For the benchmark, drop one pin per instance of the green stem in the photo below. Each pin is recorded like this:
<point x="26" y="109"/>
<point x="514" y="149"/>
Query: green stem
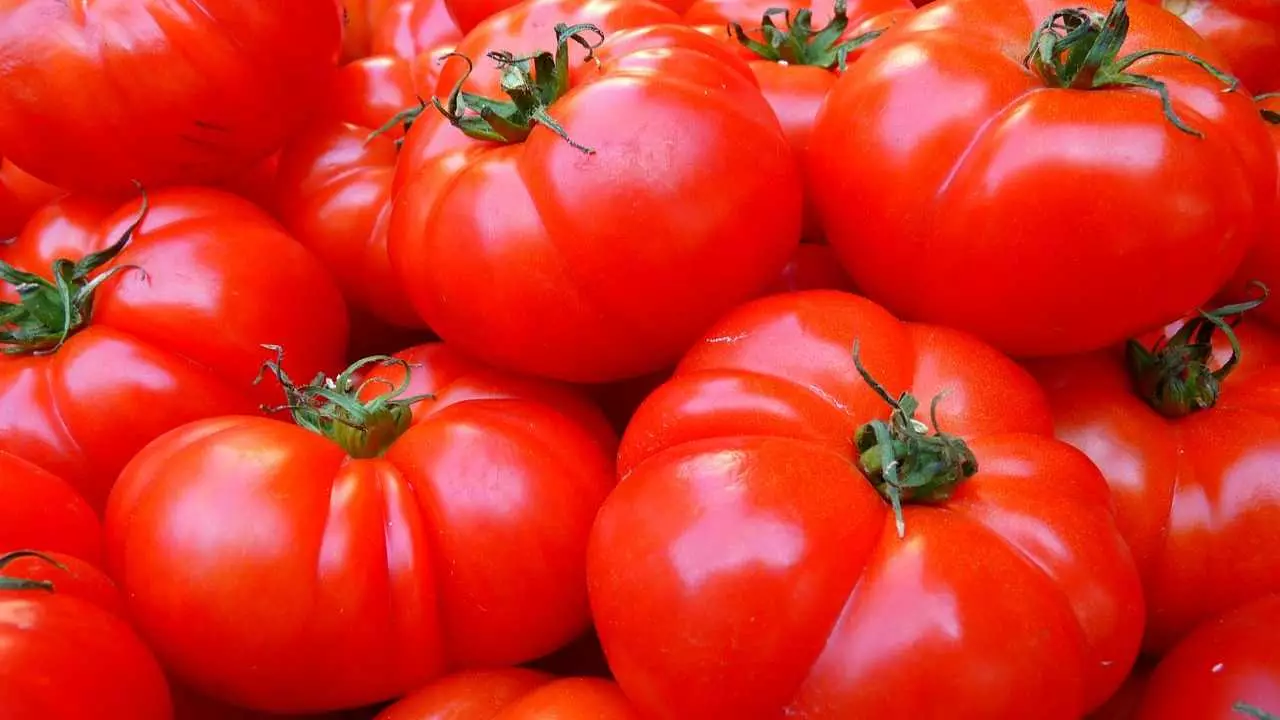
<point x="1175" y="376"/>
<point x="796" y="43"/>
<point x="532" y="84"/>
<point x="23" y="584"/>
<point x="1254" y="712"/>
<point x="902" y="459"/>
<point x="47" y="313"/>
<point x="333" y="407"/>
<point x="1269" y="115"/>
<point x="1080" y="49"/>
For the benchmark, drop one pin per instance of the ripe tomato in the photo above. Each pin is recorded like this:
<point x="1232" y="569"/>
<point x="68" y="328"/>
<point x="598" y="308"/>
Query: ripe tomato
<point x="360" y="22"/>
<point x="412" y="27"/>
<point x="299" y="573"/>
<point x="1042" y="219"/>
<point x="470" y="14"/>
<point x="1226" y="663"/>
<point x="1246" y="32"/>
<point x="20" y="196"/>
<point x="40" y="510"/>
<point x="1263" y="264"/>
<point x="173" y="333"/>
<point x="97" y="95"/>
<point x="513" y="694"/>
<point x="69" y="575"/>
<point x="746" y="567"/>
<point x="814" y="266"/>
<point x="1191" y="457"/>
<point x="64" y="657"/>
<point x="540" y="255"/>
<point x="1124" y="704"/>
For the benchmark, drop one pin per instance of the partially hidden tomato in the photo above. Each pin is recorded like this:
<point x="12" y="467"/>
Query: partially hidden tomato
<point x="62" y="656"/>
<point x="1227" y="669"/>
<point x="157" y="317"/>
<point x="1046" y="202"/>
<point x="360" y="22"/>
<point x="1263" y="263"/>
<point x="41" y="510"/>
<point x="385" y="537"/>
<point x="513" y="694"/>
<point x="412" y="27"/>
<point x="596" y="243"/>
<point x="1246" y="32"/>
<point x="753" y="561"/>
<point x="470" y="14"/>
<point x="21" y="195"/>
<point x="1124" y="704"/>
<point x="95" y="96"/>
<point x="1190" y="444"/>
<point x="813" y="266"/>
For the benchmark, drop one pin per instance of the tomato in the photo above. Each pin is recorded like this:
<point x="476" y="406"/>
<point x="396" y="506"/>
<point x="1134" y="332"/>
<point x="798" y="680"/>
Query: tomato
<point x="540" y="255"/>
<point x="173" y="333"/>
<point x="1263" y="263"/>
<point x="41" y="510"/>
<point x="64" y="657"/>
<point x="1191" y="456"/>
<point x="748" y="565"/>
<point x="361" y="20"/>
<point x="975" y="193"/>
<point x="814" y="266"/>
<point x="71" y="576"/>
<point x="1226" y="663"/>
<point x="528" y="27"/>
<point x="20" y="196"/>
<point x="300" y="573"/>
<point x="97" y="95"/>
<point x="1246" y="32"/>
<point x="513" y="694"/>
<point x="470" y="14"/>
<point x="412" y="27"/>
<point x="1124" y="704"/>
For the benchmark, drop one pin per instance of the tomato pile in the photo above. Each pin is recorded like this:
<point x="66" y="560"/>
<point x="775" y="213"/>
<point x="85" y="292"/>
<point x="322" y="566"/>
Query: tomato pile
<point x="639" y="359"/>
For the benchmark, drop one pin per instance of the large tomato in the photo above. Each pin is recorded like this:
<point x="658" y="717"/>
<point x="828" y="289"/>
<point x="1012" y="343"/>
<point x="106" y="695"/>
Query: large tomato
<point x="748" y="565"/>
<point x="20" y="196"/>
<point x="95" y="95"/>
<point x="1263" y="264"/>
<point x="600" y="250"/>
<point x="1192" y="455"/>
<point x="1048" y="207"/>
<point x="412" y="27"/>
<point x="1246" y="32"/>
<point x="41" y="510"/>
<point x="1227" y="669"/>
<point x="64" y="657"/>
<point x="513" y="694"/>
<point x="288" y="570"/>
<point x="168" y="331"/>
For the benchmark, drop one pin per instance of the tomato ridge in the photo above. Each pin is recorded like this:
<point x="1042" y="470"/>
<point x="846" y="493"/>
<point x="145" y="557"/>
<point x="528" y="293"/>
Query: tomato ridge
<point x="1080" y="49"/>
<point x="797" y="44"/>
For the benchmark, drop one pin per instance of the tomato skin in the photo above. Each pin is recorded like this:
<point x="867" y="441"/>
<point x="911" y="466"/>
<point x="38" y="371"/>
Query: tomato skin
<point x="1197" y="498"/>
<point x="180" y="340"/>
<point x="412" y="27"/>
<point x="471" y="14"/>
<point x="814" y="266"/>
<point x="513" y="694"/>
<point x="41" y="510"/>
<point x="738" y="496"/>
<point x="82" y="107"/>
<point x="77" y="578"/>
<point x="953" y="154"/>
<point x="1226" y="660"/>
<point x="525" y="257"/>
<point x="361" y="20"/>
<point x="1246" y="32"/>
<point x="377" y="575"/>
<point x="21" y="195"/>
<point x="1263" y="263"/>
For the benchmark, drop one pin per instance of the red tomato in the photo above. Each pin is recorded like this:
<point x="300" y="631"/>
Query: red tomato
<point x="469" y="14"/>
<point x="1124" y="704"/>
<point x="274" y="568"/>
<point x="68" y="575"/>
<point x="412" y="27"/>
<point x="1197" y="494"/>
<point x="513" y="694"/>
<point x="361" y="20"/>
<point x="975" y="194"/>
<point x="746" y="566"/>
<point x="1227" y="662"/>
<point x="97" y="95"/>
<point x="529" y="27"/>
<point x="20" y="196"/>
<point x="174" y="334"/>
<point x="813" y="267"/>
<point x="1263" y="264"/>
<point x="1246" y="32"/>
<point x="40" y="510"/>
<point x="64" y="657"/>
<point x="541" y="257"/>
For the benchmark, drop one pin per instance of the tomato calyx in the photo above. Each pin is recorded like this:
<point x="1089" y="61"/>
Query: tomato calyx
<point x="24" y="584"/>
<point x="1079" y="49"/>
<point x="1269" y="115"/>
<point x="1175" y="376"/>
<point x="796" y="43"/>
<point x="1252" y="711"/>
<point x="904" y="461"/>
<point x="47" y="313"/>
<point x="533" y="83"/>
<point x="334" y="408"/>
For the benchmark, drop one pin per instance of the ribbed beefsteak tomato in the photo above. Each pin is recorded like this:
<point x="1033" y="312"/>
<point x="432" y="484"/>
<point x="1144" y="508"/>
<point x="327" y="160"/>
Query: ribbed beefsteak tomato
<point x="513" y="694"/>
<point x="644" y="196"/>
<point x="157" y="317"/>
<point x="351" y="557"/>
<point x="1045" y="201"/>
<point x="751" y="564"/>
<point x="1191" y="448"/>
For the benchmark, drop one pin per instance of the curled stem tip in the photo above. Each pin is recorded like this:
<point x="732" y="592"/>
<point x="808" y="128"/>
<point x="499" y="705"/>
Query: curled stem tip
<point x="13" y="583"/>
<point x="797" y="43"/>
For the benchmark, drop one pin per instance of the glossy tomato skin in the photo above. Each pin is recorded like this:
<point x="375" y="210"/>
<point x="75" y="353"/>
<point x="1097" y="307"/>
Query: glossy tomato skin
<point x="39" y="510"/>
<point x="513" y="694"/>
<point x="471" y="14"/>
<point x="1198" y="498"/>
<point x="360" y="22"/>
<point x="1263" y="263"/>
<point x="72" y="577"/>
<point x="82" y="106"/>
<point x="21" y="195"/>
<point x="1246" y="32"/>
<point x="178" y="339"/>
<point x="969" y="211"/>
<point x="462" y="546"/>
<point x="543" y="260"/>
<point x="744" y="568"/>
<point x="1226" y="660"/>
<point x="412" y="27"/>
